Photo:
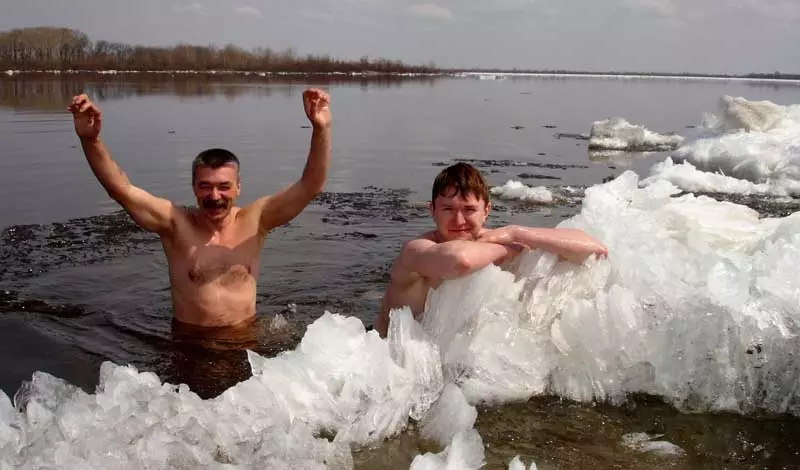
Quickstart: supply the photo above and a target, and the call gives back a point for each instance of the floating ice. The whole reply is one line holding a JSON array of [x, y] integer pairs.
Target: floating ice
[[278, 323], [698, 302], [450, 415], [758, 141], [739, 114], [465, 452], [340, 380], [514, 190], [644, 442], [516, 464], [685, 176], [618, 134]]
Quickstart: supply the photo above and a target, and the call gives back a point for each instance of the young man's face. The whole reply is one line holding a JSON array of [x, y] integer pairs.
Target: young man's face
[[459, 216], [216, 190]]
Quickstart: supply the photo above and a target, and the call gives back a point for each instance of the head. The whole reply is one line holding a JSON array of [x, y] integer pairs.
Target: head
[[215, 182], [459, 202]]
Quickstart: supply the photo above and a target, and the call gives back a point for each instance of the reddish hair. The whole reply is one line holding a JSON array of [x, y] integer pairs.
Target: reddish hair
[[462, 178]]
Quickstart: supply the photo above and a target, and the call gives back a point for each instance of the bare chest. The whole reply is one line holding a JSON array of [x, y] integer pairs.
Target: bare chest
[[220, 264], [225, 261]]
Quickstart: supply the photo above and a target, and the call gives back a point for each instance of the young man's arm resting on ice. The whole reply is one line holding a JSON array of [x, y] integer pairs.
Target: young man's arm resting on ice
[[571, 244], [423, 263]]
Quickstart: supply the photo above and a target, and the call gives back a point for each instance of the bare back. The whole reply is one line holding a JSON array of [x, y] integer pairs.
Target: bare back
[[213, 274]]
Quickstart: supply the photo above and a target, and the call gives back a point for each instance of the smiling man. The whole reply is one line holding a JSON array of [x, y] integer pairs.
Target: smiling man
[[460, 245], [212, 250]]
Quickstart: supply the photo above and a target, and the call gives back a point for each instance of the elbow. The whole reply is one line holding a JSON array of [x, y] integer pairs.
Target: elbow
[[462, 265], [316, 190], [119, 195], [313, 188]]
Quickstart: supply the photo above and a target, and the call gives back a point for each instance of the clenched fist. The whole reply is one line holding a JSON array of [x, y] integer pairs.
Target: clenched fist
[[87, 116], [316, 104]]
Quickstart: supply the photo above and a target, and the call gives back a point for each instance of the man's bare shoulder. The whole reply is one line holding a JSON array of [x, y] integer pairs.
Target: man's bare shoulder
[[401, 268]]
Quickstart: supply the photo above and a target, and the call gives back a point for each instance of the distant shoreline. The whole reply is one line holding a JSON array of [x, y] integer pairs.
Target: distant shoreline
[[444, 73]]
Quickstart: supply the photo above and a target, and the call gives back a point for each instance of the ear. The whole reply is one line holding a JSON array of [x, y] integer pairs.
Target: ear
[[430, 208]]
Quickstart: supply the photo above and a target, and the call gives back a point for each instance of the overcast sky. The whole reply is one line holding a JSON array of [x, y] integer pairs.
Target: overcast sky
[[722, 36]]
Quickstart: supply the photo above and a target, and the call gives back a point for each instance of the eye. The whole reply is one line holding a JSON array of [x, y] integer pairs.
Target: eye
[[224, 187]]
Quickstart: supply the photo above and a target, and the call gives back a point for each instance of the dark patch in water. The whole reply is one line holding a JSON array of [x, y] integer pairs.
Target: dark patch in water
[[537, 176], [9, 302], [370, 204], [30, 250], [349, 236], [766, 206], [570, 135]]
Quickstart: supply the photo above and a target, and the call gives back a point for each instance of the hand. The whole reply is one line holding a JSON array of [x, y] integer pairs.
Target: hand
[[315, 102], [584, 244], [87, 116]]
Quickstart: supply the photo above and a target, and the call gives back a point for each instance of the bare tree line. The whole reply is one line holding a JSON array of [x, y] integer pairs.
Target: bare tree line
[[51, 48]]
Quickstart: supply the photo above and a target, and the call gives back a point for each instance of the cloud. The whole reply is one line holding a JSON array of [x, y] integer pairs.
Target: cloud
[[317, 15], [429, 10], [664, 8], [510, 5], [247, 10], [779, 9], [191, 8]]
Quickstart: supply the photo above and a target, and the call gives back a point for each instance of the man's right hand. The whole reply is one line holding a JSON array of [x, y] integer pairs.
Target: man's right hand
[[87, 117]]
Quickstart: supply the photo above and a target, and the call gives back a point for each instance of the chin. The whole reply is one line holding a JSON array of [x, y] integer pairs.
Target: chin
[[460, 236], [216, 215]]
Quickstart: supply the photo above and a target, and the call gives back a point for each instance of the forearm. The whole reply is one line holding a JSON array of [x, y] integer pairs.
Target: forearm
[[105, 169], [316, 169], [572, 244], [459, 258]]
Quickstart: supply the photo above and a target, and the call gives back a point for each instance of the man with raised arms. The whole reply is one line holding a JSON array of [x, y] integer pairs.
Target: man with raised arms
[[212, 250]]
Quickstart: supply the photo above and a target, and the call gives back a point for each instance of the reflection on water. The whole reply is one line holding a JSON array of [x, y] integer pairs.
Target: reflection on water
[[50, 92]]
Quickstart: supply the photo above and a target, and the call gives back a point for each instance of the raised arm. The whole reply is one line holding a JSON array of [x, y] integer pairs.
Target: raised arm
[[149, 212], [285, 205], [572, 244], [447, 260]]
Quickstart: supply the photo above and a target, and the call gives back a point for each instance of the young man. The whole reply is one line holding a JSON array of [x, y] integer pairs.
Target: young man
[[212, 250], [460, 245]]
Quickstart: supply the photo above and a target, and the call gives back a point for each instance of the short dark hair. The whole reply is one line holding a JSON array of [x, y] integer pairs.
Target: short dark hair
[[462, 177], [214, 158]]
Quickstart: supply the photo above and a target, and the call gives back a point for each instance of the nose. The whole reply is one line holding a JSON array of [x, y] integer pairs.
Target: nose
[[460, 219], [214, 193]]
